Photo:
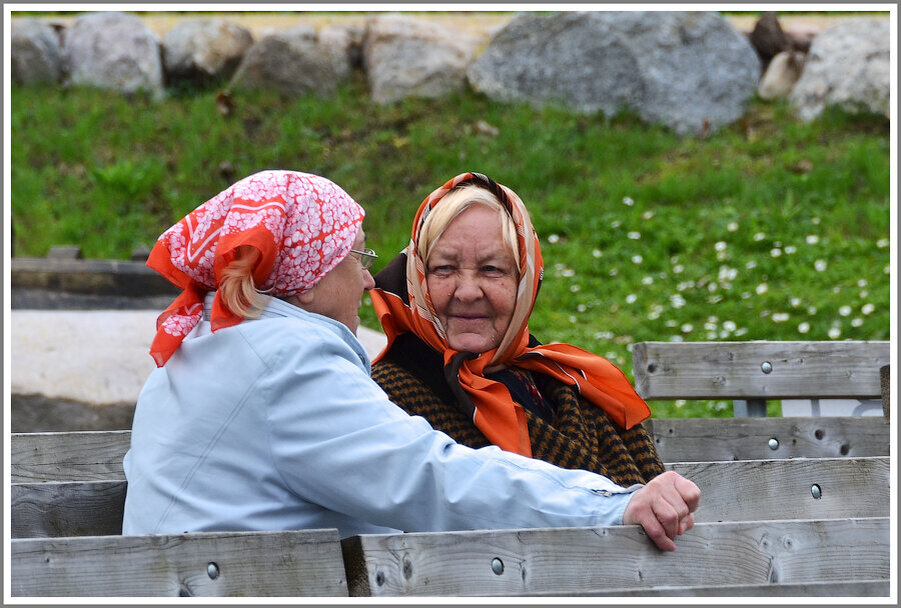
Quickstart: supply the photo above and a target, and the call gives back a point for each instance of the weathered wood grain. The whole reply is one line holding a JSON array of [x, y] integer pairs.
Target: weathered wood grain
[[759, 370], [68, 456], [97, 455], [88, 508], [293, 563], [707, 439], [569, 560], [730, 491], [816, 488], [811, 589]]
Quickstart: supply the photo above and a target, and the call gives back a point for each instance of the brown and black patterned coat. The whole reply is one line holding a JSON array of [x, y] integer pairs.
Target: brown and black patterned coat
[[577, 435]]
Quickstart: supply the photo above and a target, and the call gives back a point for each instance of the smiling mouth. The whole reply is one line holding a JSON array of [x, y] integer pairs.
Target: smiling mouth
[[467, 317], [467, 322]]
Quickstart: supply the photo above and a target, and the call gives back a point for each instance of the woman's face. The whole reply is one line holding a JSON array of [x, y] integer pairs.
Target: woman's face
[[472, 276], [338, 294]]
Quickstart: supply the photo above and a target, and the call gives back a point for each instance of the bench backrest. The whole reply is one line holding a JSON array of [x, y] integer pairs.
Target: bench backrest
[[816, 488], [733, 491], [869, 588], [291, 563], [706, 439], [68, 508], [759, 370], [565, 561], [97, 455], [68, 456]]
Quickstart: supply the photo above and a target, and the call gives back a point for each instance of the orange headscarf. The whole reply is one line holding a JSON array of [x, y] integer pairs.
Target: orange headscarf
[[303, 225], [403, 305]]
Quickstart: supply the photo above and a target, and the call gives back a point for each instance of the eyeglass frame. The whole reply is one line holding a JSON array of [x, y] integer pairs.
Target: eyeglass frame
[[367, 257]]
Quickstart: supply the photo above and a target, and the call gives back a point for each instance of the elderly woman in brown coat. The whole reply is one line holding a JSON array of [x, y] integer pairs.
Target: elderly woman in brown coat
[[455, 306]]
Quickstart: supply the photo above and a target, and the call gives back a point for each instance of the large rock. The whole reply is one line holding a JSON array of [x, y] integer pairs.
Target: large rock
[[408, 57], [691, 71], [847, 66], [297, 60], [113, 50], [204, 50], [35, 54]]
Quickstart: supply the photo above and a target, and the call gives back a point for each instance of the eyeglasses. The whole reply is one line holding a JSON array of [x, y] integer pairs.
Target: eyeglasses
[[367, 257]]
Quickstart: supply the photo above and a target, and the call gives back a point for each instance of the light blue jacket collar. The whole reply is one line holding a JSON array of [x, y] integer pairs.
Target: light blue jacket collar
[[277, 308]]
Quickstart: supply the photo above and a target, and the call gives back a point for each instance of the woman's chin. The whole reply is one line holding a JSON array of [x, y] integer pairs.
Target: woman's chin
[[473, 343]]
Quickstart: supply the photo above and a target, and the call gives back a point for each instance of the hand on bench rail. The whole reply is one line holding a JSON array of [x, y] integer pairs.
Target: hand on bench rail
[[664, 508]]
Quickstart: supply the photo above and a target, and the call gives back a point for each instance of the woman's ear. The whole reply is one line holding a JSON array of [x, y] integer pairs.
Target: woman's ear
[[306, 298], [302, 300]]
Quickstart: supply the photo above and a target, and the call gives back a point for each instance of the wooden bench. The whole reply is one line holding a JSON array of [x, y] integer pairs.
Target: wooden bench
[[850, 554], [291, 563], [860, 588], [68, 456], [790, 507], [731, 491], [97, 455], [705, 439], [837, 557], [751, 373]]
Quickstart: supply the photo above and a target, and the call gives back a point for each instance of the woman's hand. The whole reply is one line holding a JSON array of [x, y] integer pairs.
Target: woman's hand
[[664, 508]]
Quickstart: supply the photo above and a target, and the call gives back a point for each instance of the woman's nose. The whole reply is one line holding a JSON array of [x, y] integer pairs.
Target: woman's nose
[[368, 281], [467, 288]]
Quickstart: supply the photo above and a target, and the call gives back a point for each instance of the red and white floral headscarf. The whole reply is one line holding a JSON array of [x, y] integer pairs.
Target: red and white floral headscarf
[[302, 224], [401, 300]]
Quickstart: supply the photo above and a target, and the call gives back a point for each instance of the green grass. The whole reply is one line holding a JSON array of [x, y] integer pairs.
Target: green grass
[[768, 229]]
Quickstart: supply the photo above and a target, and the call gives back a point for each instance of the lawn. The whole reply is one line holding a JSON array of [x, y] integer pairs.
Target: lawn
[[769, 229]]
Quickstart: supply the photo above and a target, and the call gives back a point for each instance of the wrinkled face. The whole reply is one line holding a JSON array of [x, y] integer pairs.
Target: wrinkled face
[[471, 276], [338, 294]]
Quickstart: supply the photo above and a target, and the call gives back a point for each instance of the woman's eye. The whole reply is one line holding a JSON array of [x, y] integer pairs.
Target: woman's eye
[[444, 269]]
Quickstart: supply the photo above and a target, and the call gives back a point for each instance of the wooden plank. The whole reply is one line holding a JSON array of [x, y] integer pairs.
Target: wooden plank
[[68, 456], [706, 439], [97, 455], [802, 488], [730, 491], [762, 370], [88, 508], [292, 563], [562, 561], [811, 589]]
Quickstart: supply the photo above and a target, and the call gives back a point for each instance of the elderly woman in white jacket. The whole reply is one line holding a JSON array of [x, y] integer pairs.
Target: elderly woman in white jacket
[[262, 414]]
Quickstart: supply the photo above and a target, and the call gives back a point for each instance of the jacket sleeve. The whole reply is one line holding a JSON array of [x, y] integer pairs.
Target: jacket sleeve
[[340, 443]]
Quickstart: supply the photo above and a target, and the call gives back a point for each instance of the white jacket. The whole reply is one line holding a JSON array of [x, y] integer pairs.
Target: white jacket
[[275, 424]]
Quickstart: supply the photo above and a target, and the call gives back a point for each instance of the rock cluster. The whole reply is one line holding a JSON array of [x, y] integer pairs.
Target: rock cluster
[[690, 71], [845, 65]]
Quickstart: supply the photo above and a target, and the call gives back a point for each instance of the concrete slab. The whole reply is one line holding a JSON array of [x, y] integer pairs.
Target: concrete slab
[[97, 357]]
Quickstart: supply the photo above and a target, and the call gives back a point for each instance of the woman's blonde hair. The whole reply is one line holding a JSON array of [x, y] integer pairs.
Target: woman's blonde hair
[[236, 286], [453, 204]]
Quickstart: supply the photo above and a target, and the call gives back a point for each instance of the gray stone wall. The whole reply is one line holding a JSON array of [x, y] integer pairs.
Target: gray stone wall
[[693, 72]]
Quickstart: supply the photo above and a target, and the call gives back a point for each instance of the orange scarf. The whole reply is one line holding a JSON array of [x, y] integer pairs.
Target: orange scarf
[[402, 303]]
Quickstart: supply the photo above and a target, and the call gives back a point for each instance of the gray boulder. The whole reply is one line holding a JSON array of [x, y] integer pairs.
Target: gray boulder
[[35, 54], [408, 57], [297, 60], [113, 50], [691, 71], [203, 50], [847, 66]]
